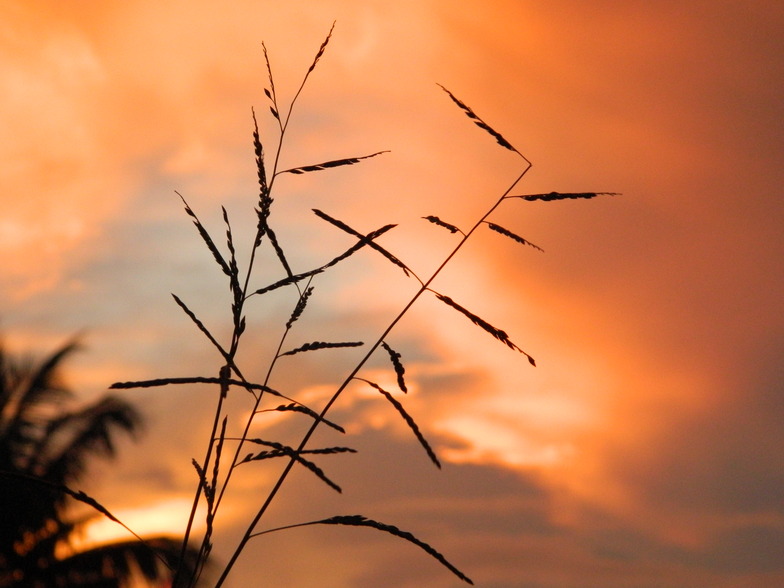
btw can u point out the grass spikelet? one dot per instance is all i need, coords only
(200, 325)
(409, 421)
(299, 408)
(300, 307)
(361, 521)
(271, 92)
(265, 201)
(497, 333)
(281, 450)
(218, 452)
(321, 50)
(343, 226)
(394, 356)
(197, 380)
(273, 453)
(259, 151)
(563, 196)
(229, 238)
(479, 122)
(206, 237)
(234, 279)
(278, 251)
(513, 236)
(322, 345)
(329, 164)
(437, 221)
(199, 472)
(294, 279)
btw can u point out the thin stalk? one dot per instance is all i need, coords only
(200, 489)
(425, 286)
(235, 343)
(224, 389)
(245, 431)
(283, 125)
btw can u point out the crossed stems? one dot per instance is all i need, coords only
(231, 365)
(423, 288)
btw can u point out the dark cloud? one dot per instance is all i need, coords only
(746, 549)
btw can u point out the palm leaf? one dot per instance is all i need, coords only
(26, 387)
(120, 562)
(75, 436)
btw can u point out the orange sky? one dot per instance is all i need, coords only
(644, 450)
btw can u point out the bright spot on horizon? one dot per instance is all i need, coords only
(163, 518)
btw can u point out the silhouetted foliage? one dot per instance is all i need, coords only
(45, 445)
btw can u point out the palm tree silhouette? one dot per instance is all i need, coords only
(45, 445)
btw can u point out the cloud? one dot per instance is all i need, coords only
(644, 446)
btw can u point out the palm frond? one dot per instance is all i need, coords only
(75, 436)
(117, 564)
(27, 387)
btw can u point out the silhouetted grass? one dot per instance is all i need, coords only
(214, 471)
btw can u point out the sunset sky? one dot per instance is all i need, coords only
(645, 450)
